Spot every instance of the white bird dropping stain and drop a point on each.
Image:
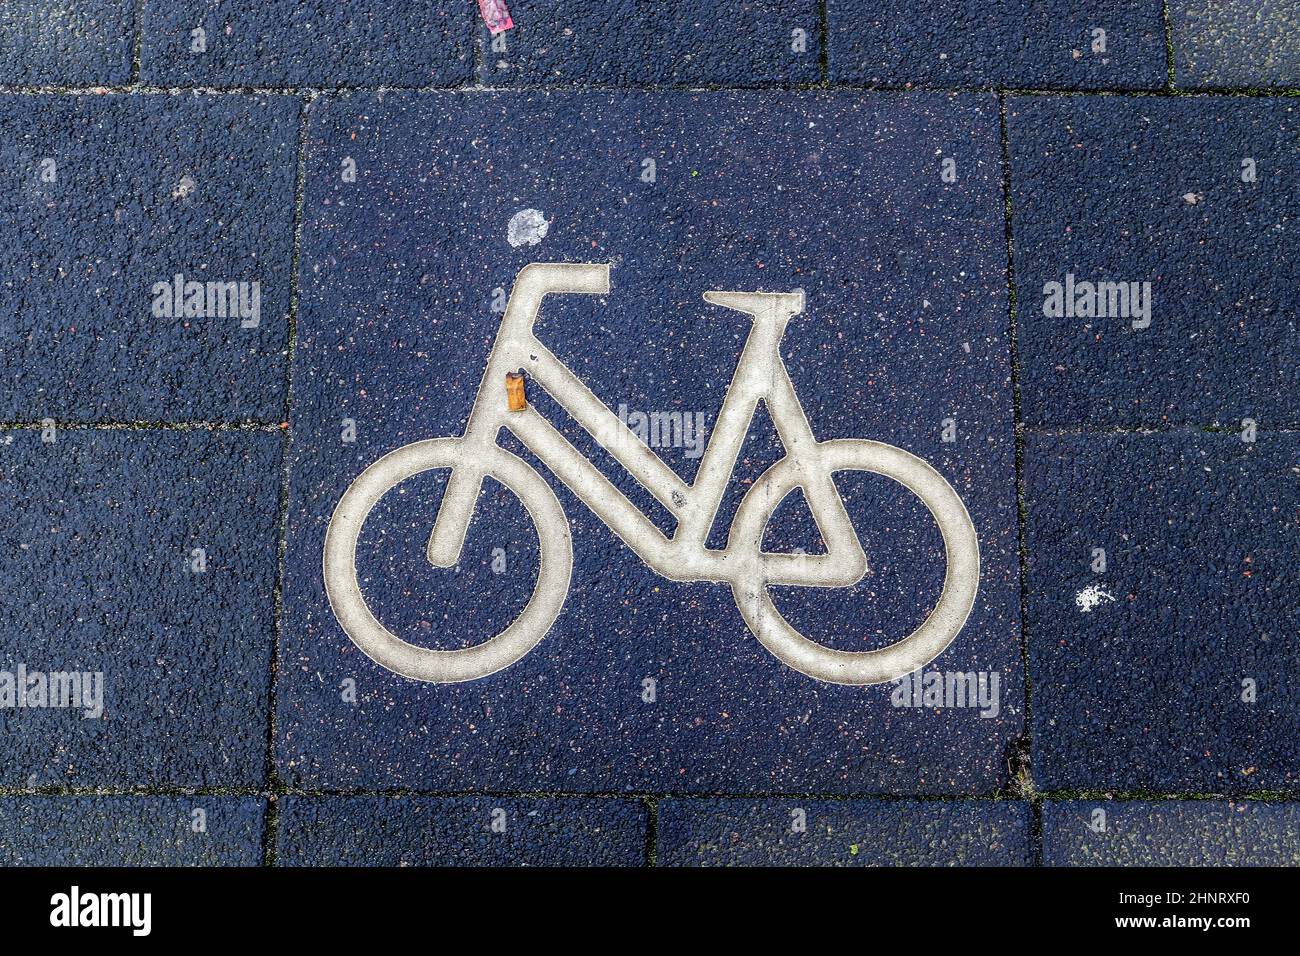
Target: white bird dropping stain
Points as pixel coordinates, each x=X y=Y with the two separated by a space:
x=184 y=187
x=1091 y=596
x=527 y=227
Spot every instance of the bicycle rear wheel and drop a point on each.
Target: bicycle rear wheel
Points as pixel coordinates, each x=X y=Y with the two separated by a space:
x=422 y=663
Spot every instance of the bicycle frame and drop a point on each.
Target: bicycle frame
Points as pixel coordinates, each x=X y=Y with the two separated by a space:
x=760 y=375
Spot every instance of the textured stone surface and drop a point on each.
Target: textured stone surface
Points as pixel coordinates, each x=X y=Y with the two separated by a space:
x=1171 y=833
x=131 y=831
x=1145 y=691
x=329 y=43
x=1151 y=190
x=731 y=42
x=1236 y=43
x=463 y=831
x=97 y=559
x=1009 y=43
x=905 y=326
x=681 y=143
x=101 y=197
x=66 y=42
x=709 y=832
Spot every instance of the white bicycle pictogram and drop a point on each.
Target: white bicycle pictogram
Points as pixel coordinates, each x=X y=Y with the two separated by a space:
x=808 y=464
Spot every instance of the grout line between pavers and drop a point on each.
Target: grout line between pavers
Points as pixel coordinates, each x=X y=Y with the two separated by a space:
x=1171 y=80
x=1021 y=779
x=476 y=47
x=1103 y=430
x=1036 y=831
x=272 y=775
x=651 y=831
x=819 y=87
x=824 y=43
x=1154 y=796
x=143 y=426
x=137 y=41
x=1116 y=795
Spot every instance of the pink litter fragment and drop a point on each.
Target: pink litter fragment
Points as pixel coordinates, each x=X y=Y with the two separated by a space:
x=495 y=15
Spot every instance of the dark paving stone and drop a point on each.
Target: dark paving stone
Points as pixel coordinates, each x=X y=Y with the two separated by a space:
x=145 y=188
x=97 y=579
x=131 y=831
x=707 y=832
x=1236 y=43
x=66 y=42
x=308 y=43
x=1146 y=691
x=1151 y=190
x=905 y=325
x=732 y=42
x=460 y=831
x=1016 y=43
x=1170 y=833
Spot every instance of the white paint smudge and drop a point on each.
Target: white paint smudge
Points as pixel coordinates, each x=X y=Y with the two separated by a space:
x=527 y=227
x=1091 y=596
x=184 y=187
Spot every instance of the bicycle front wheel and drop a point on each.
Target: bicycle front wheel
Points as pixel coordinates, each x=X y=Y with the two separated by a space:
x=960 y=585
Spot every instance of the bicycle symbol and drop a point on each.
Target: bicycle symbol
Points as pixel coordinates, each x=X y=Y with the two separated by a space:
x=808 y=464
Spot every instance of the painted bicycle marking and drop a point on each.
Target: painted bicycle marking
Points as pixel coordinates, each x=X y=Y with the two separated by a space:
x=808 y=464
